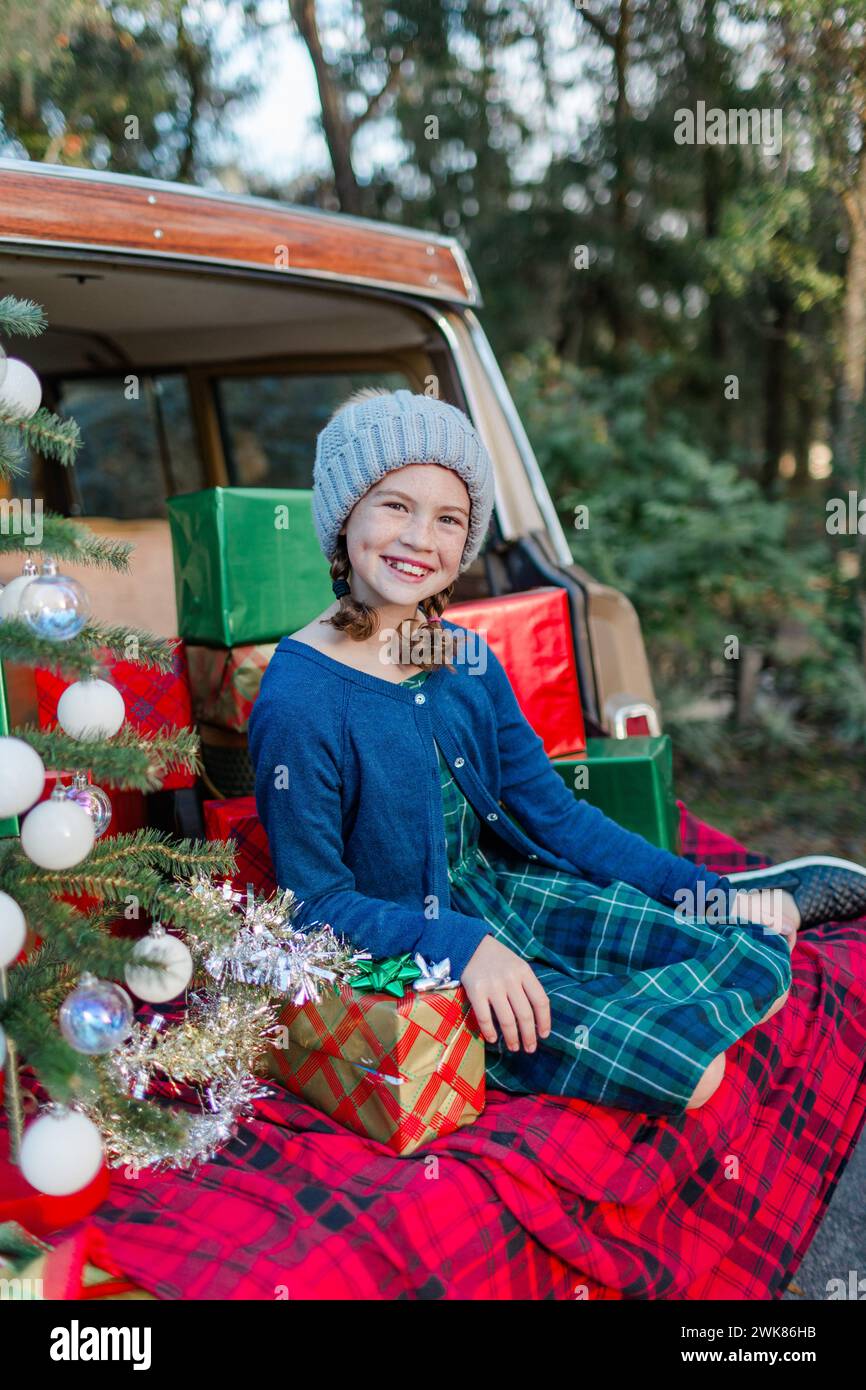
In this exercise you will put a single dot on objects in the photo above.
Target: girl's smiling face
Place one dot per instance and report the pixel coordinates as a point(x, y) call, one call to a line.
point(405, 537)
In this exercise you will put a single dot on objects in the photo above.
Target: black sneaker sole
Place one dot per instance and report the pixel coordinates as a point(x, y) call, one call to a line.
point(790, 865)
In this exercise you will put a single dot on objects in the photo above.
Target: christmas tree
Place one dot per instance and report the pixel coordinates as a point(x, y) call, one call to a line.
point(64, 1015)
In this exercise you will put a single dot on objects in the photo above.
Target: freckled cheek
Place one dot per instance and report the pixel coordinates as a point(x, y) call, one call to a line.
point(454, 548)
point(376, 536)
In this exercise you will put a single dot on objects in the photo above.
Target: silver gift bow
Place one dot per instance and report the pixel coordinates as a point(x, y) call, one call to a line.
point(437, 976)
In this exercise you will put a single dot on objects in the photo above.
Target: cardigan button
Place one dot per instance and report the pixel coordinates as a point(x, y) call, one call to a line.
point(419, 699)
point(491, 815)
point(458, 762)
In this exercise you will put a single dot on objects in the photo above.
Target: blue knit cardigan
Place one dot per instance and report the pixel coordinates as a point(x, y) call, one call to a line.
point(347, 788)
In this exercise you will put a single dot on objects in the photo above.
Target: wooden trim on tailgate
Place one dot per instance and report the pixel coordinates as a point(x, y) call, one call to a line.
point(51, 206)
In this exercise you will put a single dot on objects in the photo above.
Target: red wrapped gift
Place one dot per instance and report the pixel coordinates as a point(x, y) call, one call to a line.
point(237, 819)
point(155, 701)
point(531, 635)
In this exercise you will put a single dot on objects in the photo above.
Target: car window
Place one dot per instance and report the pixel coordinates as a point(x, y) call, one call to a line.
point(138, 444)
point(269, 423)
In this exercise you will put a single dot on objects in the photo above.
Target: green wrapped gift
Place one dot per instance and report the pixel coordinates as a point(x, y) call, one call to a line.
point(632, 781)
point(247, 564)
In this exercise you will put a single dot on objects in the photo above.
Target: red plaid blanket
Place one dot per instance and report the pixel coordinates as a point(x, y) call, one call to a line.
point(540, 1197)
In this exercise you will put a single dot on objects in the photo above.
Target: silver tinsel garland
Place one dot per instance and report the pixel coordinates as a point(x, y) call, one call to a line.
point(218, 1042)
point(270, 953)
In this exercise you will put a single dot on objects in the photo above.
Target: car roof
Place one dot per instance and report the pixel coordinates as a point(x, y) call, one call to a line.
point(56, 205)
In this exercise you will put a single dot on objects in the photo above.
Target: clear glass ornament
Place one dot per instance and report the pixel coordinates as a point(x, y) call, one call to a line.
point(96, 1016)
point(54, 605)
point(93, 800)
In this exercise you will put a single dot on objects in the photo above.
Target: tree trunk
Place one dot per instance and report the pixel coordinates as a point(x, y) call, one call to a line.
point(775, 364)
point(336, 127)
point(708, 78)
point(748, 673)
point(850, 449)
point(622, 183)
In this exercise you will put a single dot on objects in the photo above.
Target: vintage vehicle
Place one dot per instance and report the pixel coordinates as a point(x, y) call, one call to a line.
point(246, 322)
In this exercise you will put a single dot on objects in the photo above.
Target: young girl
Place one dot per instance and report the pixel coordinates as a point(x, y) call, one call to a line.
point(408, 802)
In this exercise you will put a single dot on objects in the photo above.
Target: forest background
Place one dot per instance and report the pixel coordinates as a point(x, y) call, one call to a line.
point(682, 322)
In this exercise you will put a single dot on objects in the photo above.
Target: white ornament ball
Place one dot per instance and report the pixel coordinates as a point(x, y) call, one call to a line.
point(20, 389)
point(158, 986)
point(91, 710)
point(22, 776)
point(11, 595)
point(61, 1152)
point(57, 834)
point(13, 929)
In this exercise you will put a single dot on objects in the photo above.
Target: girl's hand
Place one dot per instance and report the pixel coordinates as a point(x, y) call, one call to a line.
point(776, 909)
point(497, 979)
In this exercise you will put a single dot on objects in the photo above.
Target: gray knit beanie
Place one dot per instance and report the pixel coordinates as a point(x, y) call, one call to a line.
point(371, 437)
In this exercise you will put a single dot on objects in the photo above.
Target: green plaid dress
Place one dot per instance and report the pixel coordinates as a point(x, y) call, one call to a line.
point(641, 999)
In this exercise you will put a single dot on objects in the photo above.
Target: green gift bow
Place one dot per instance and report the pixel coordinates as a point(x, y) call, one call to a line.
point(385, 976)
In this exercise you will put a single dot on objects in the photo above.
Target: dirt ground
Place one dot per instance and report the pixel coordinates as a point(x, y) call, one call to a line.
point(785, 806)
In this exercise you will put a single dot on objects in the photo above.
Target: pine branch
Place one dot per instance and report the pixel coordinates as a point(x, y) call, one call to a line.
point(45, 433)
point(156, 847)
point(121, 868)
point(22, 316)
point(54, 915)
point(78, 658)
point(149, 650)
point(129, 760)
point(188, 857)
point(65, 1073)
point(11, 463)
point(104, 956)
point(68, 540)
point(104, 883)
point(47, 977)
point(43, 976)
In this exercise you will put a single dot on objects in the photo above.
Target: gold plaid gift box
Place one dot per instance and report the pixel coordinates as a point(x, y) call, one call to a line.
point(225, 682)
point(400, 1070)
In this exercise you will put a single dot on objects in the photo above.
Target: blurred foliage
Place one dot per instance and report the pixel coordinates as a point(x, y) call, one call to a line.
point(681, 319)
point(125, 87)
point(702, 553)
